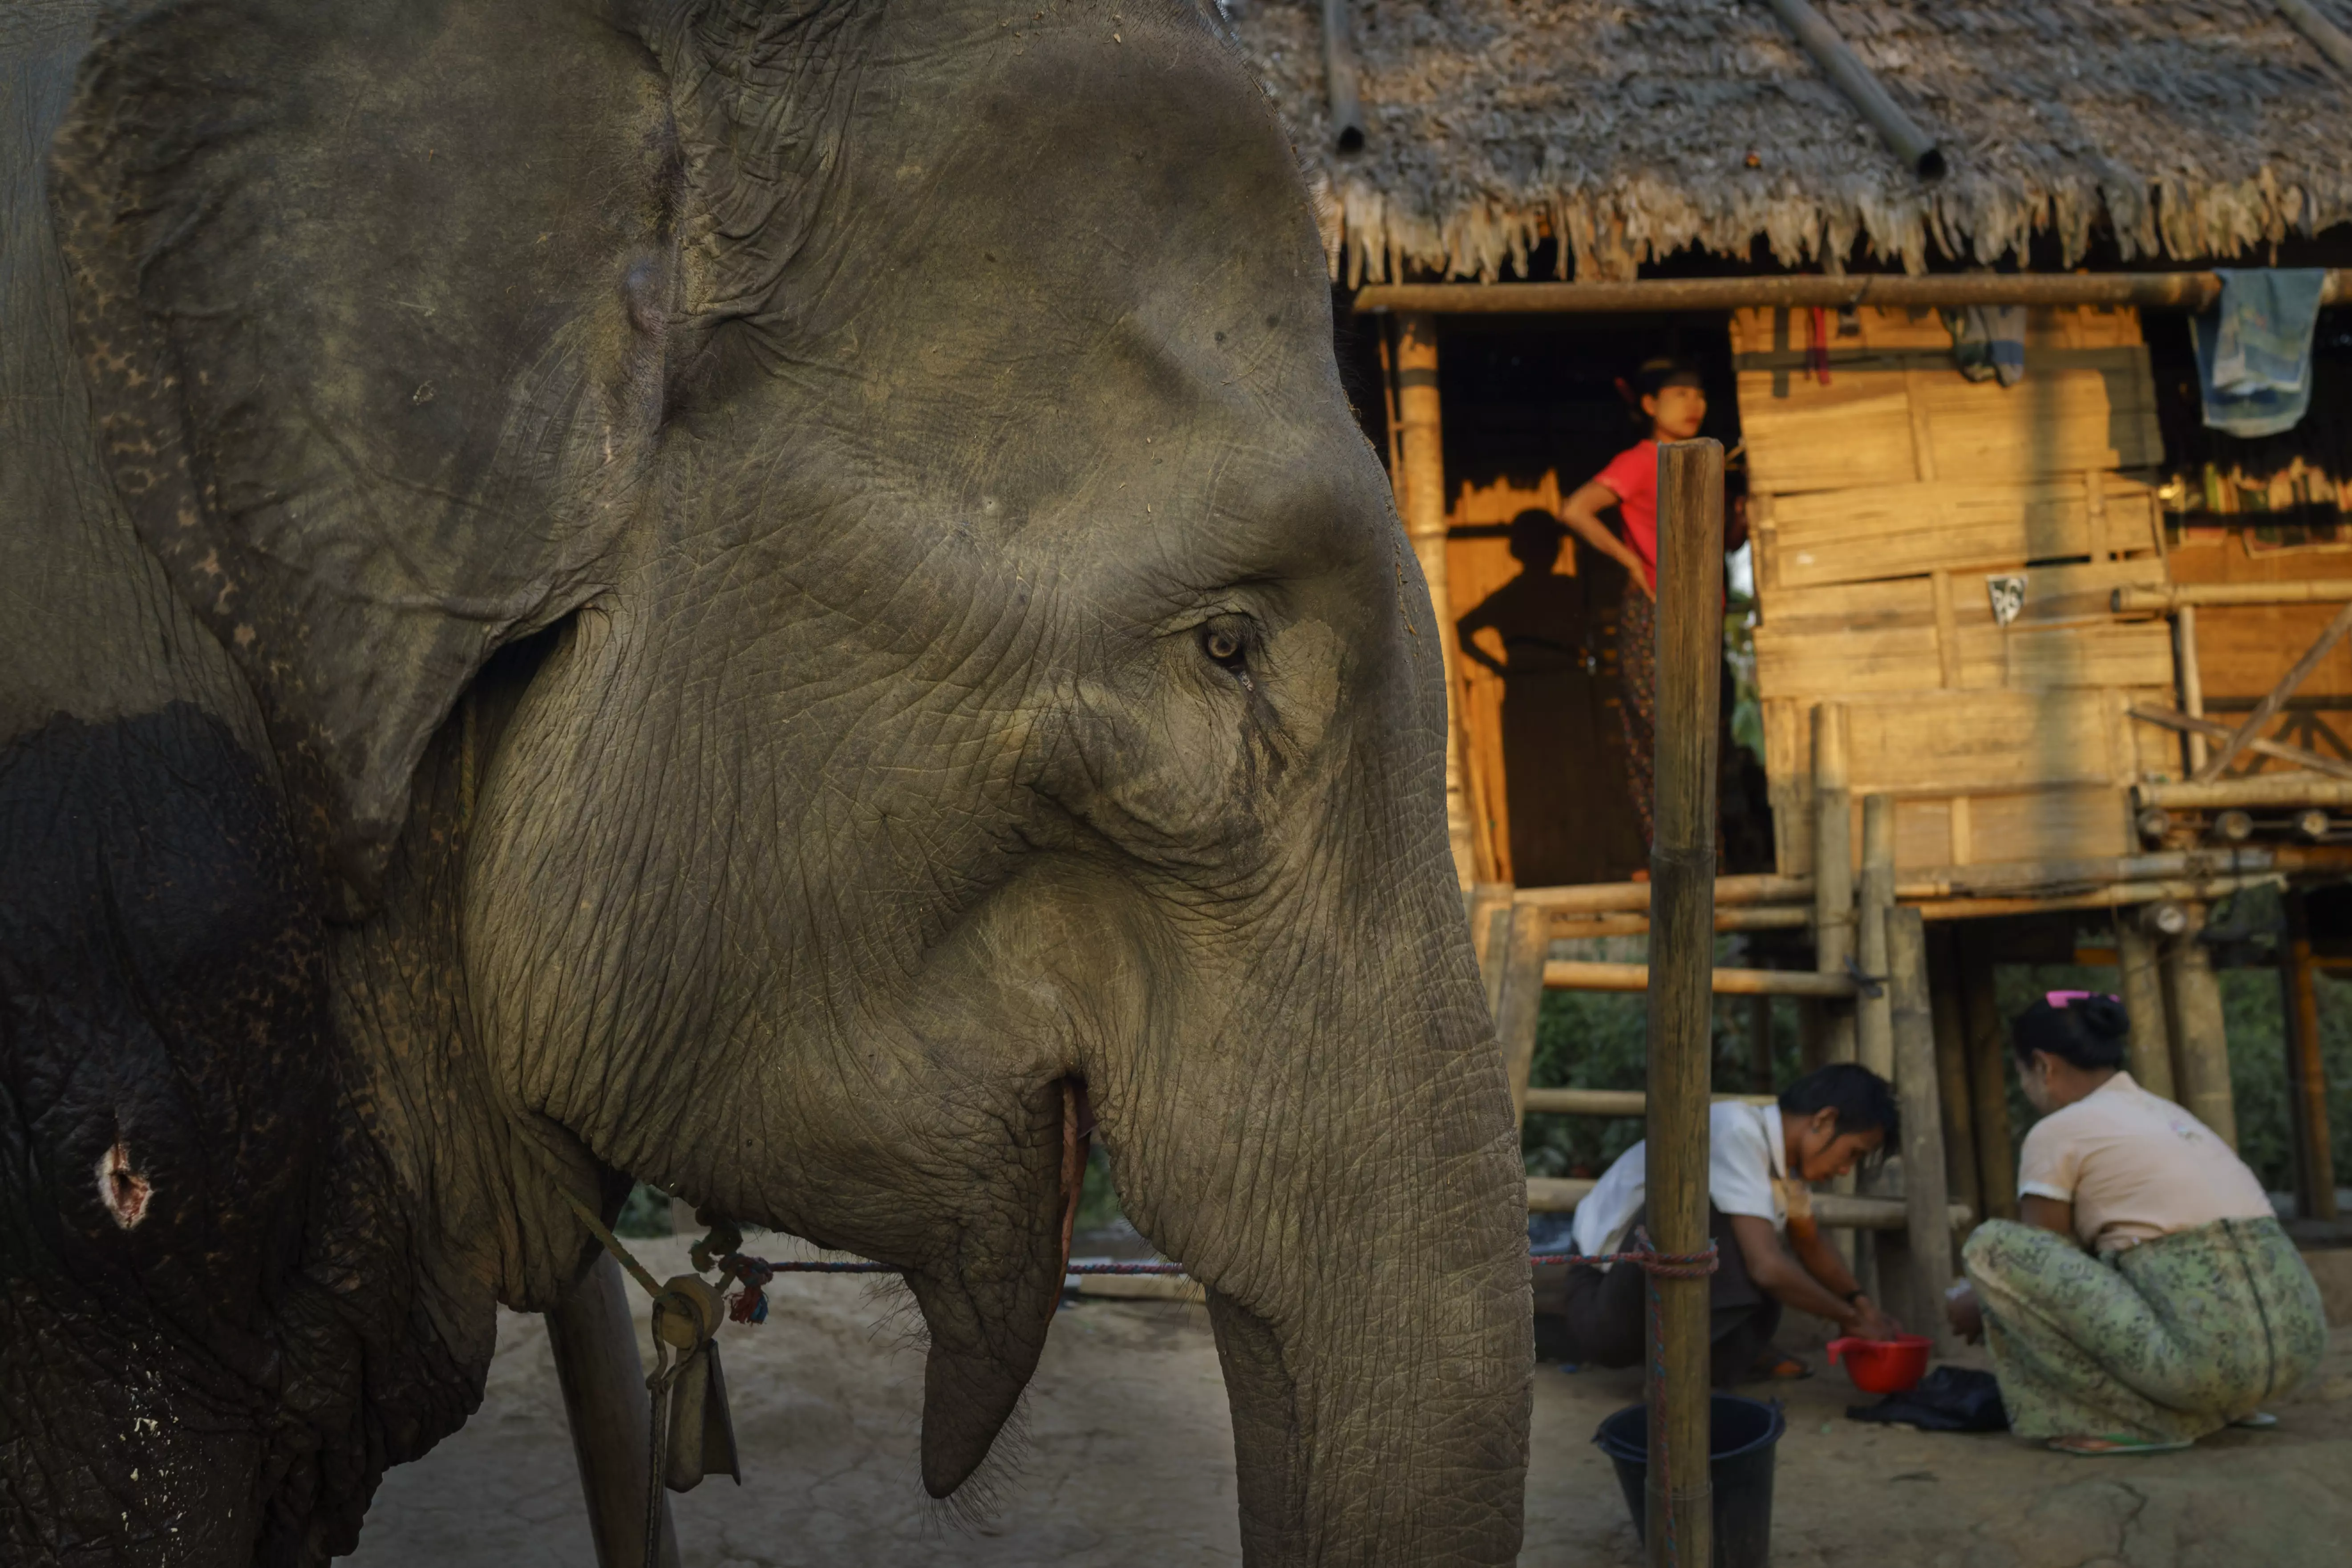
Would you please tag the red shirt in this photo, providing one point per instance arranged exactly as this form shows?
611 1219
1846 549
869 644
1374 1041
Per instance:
1631 477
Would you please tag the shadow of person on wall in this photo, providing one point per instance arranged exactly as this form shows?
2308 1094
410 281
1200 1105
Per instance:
1569 818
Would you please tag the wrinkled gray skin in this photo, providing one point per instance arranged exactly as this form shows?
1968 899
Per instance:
747 595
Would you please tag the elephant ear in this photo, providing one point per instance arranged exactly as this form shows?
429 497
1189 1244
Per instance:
370 301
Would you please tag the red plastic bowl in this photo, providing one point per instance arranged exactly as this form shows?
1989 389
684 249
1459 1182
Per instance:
1884 1366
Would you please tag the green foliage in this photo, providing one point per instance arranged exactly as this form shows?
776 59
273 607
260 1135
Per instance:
1097 1199
646 1214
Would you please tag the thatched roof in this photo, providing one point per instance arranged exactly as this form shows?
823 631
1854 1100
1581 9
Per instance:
2186 128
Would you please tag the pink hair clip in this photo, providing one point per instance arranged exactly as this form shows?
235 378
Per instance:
2062 998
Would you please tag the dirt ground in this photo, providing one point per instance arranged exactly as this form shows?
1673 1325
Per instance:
1128 1463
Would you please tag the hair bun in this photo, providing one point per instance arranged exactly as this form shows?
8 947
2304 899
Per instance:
2104 1016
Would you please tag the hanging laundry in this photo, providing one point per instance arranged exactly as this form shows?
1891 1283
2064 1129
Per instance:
2254 349
1989 341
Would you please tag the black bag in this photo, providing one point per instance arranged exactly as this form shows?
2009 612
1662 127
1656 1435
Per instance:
1948 1399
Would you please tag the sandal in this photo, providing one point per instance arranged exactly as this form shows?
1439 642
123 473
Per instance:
2091 1447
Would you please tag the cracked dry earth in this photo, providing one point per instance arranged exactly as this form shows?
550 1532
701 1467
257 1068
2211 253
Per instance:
1128 1464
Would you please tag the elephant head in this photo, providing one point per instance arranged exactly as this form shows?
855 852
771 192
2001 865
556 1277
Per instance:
827 634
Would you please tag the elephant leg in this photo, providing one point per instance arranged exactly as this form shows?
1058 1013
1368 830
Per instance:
604 1399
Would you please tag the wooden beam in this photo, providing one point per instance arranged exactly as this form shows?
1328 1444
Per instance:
1832 864
1763 917
2267 708
2142 968
1928 1249
2207 730
2189 673
1611 897
1844 68
2200 1043
1575 975
2180 596
1874 1017
2306 1072
1681 1509
2325 35
2187 292
2260 790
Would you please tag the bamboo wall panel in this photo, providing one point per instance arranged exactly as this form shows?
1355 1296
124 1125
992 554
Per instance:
1837 663
1905 529
2076 591
1976 829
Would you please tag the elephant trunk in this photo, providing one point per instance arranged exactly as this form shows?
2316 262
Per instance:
1360 1222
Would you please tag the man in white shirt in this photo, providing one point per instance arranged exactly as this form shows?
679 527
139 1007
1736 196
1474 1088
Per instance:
1761 1161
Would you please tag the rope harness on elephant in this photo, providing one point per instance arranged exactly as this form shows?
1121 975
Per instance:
686 1309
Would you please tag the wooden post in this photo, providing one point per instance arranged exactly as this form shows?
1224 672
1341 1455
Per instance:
2200 1043
2143 998
604 1383
1929 1227
1832 867
1519 980
2192 683
1421 504
1680 1513
2306 1074
1873 1017
1952 1070
1987 1079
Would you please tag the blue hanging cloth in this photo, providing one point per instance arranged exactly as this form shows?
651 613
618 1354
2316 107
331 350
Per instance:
2253 350
1989 342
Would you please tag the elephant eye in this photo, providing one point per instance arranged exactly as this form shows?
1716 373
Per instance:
1227 647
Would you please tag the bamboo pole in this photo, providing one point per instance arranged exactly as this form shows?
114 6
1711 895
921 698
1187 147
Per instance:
1680 1513
2189 291
603 1384
1832 866
2200 1046
1873 1015
1928 1242
1574 974
1765 917
1421 505
2305 1070
1988 1040
1952 1067
2190 673
1633 898
1863 89
2260 790
2325 35
2143 998
2177 596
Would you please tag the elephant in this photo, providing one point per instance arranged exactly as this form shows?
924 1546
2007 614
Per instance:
777 597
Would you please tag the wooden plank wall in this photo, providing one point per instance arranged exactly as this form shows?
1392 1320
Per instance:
2243 649
1882 502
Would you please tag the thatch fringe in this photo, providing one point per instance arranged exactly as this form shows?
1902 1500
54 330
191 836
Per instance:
2179 128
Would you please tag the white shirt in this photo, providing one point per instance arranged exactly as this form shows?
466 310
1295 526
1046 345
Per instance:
1746 1163
2136 1167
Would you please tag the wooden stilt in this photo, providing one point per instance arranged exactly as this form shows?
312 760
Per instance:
1421 504
2201 1044
2315 1160
1873 1015
604 1383
1987 1049
1832 867
2143 997
1952 1070
1680 1513
1928 1233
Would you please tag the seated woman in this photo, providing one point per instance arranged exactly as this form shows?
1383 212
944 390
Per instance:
1759 1161
2150 1296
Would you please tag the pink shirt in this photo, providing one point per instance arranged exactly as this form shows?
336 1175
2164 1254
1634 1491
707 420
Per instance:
2136 1167
1631 477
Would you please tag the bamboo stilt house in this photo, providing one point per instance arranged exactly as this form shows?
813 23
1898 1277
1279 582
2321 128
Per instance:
2026 657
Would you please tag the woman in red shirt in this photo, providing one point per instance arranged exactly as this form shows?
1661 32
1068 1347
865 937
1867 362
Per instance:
1674 405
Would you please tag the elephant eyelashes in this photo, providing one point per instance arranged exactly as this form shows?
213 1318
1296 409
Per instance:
1225 648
